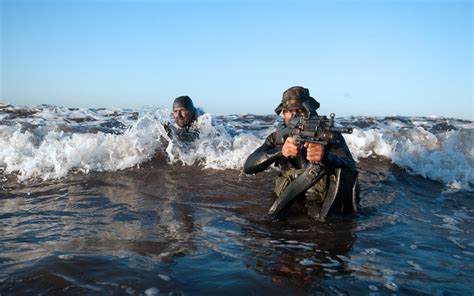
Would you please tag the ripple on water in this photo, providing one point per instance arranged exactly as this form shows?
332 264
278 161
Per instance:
449 223
373 288
65 257
468 253
456 241
293 244
415 266
307 262
164 277
371 251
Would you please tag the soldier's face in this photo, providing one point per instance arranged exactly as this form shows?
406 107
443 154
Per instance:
287 113
182 116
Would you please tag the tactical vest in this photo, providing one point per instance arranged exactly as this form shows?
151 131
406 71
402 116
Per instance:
315 193
336 191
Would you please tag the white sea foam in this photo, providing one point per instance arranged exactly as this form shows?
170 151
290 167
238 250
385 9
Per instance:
215 148
447 156
50 153
50 142
45 145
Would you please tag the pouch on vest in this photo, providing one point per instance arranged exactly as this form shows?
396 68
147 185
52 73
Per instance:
318 191
285 179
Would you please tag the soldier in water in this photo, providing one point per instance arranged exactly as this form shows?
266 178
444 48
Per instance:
337 182
185 114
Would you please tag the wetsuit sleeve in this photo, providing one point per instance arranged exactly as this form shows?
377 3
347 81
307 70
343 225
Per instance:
338 155
167 127
263 157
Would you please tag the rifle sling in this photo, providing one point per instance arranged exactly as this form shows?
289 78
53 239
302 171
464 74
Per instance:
308 178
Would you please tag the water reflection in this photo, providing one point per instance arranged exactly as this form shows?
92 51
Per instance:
145 214
182 229
301 254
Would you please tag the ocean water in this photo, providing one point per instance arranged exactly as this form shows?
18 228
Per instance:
101 202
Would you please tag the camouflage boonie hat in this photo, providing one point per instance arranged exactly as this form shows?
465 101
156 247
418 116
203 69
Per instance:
294 97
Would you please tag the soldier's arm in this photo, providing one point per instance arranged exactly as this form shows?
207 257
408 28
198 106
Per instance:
263 157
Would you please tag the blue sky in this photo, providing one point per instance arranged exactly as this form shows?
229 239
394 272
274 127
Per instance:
374 58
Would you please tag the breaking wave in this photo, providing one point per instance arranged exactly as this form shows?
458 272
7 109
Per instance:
49 142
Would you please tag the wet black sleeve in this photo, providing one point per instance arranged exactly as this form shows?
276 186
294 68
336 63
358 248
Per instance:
167 127
338 155
263 157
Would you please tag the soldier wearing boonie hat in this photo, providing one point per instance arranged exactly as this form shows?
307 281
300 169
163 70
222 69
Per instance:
279 149
294 97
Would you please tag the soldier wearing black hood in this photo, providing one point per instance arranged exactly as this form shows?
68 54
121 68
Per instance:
292 160
185 115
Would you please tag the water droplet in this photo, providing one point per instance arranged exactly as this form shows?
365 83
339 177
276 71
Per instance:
391 286
152 292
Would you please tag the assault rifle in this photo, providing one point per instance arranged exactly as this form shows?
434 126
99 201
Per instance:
312 129
315 129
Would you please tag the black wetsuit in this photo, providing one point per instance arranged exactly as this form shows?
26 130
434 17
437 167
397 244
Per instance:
188 133
336 155
337 158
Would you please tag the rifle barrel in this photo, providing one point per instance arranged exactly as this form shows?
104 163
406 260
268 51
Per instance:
342 130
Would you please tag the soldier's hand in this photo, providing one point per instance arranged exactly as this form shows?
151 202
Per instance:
289 148
314 152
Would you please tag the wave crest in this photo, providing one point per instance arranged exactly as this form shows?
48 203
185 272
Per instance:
48 142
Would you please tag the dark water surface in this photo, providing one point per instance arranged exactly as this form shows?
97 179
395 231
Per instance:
184 230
